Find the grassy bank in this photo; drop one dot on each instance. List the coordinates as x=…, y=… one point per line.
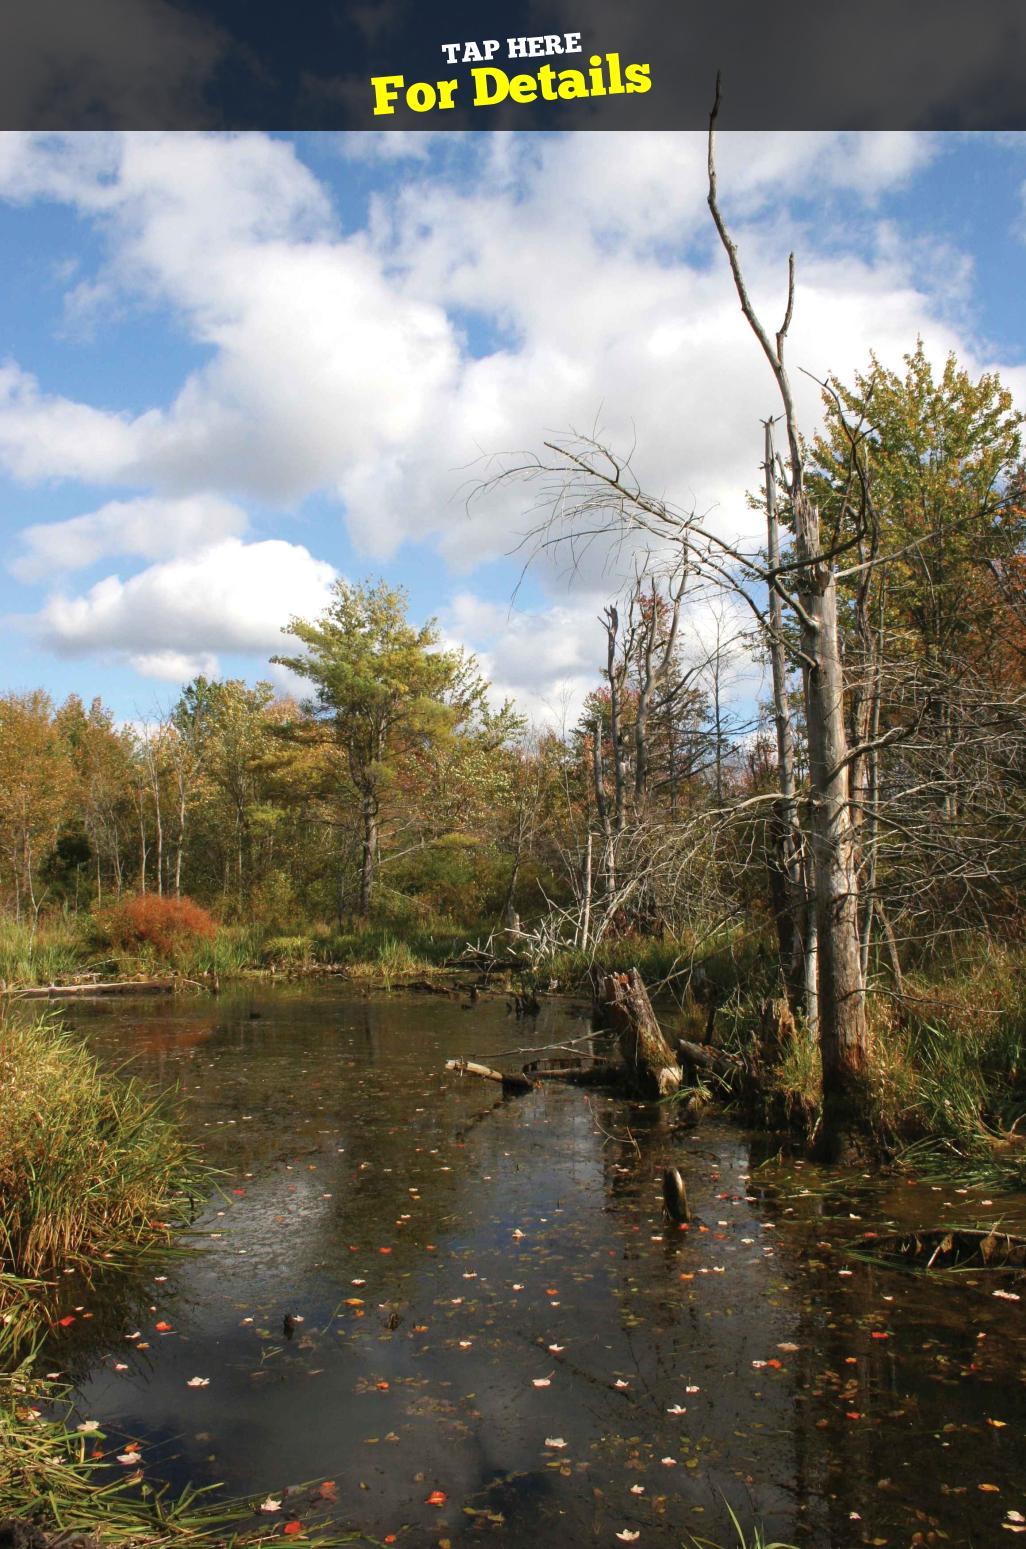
x=93, y=1170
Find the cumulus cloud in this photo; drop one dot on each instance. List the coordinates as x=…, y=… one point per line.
x=501, y=289
x=149, y=527
x=231, y=596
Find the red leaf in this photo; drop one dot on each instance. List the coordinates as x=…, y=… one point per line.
x=68, y=1321
x=162, y=1327
x=437, y=1498
x=292, y=1528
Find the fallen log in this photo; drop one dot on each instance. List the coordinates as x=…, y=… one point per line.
x=581, y=1075
x=700, y=1056
x=88, y=990
x=511, y=1082
x=651, y=1065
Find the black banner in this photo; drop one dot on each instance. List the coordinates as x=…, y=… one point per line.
x=565, y=64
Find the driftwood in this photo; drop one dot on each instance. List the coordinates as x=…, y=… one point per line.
x=514, y=1081
x=651, y=1064
x=84, y=991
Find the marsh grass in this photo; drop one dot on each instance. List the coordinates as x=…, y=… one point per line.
x=93, y=1168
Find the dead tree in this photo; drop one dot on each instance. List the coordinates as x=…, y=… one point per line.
x=651, y=1063
x=844, y=1035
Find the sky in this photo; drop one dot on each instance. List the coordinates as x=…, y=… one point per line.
x=236, y=367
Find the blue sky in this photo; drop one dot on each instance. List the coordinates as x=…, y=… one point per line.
x=234, y=367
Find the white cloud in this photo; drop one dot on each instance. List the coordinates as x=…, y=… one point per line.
x=231, y=596
x=504, y=289
x=150, y=527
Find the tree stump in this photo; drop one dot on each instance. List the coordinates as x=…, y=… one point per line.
x=650, y=1061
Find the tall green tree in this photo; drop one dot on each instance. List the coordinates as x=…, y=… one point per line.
x=390, y=698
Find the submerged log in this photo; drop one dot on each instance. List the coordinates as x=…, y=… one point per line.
x=651, y=1064
x=581, y=1075
x=514, y=1081
x=85, y=991
x=675, y=1196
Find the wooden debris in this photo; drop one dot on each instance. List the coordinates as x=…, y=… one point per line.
x=675, y=1196
x=511, y=1082
x=85, y=991
x=651, y=1064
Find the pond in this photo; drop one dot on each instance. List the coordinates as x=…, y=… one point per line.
x=492, y=1330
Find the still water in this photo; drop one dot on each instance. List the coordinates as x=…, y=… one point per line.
x=494, y=1334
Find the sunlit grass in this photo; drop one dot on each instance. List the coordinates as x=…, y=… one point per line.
x=91, y=1166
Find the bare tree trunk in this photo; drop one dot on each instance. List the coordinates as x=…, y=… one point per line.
x=586, y=896
x=649, y=1059
x=791, y=920
x=369, y=855
x=602, y=807
x=844, y=1037
x=143, y=849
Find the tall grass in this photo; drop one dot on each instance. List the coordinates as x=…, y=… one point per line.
x=55, y=951
x=92, y=1167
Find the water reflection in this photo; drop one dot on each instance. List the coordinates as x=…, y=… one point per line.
x=491, y=1306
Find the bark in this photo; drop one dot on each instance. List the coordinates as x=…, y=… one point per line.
x=515, y=1082
x=843, y=1030
x=586, y=896
x=790, y=904
x=368, y=863
x=700, y=1057
x=650, y=1062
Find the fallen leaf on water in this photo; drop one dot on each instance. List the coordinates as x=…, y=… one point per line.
x=437, y=1498
x=270, y=1504
x=162, y=1327
x=692, y=1387
x=198, y=1382
x=990, y=1489
x=88, y=1425
x=619, y=1383
x=128, y=1458
x=668, y=1462
x=637, y=1489
x=1015, y=1516
x=788, y=1347
x=292, y=1528
x=1008, y=1296
x=677, y=1409
x=554, y=1441
x=998, y=1425
x=541, y=1382
x=66, y=1322
x=628, y=1537
x=557, y=1349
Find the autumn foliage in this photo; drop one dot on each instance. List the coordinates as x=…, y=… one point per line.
x=163, y=924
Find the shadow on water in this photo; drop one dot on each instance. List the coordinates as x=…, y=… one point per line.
x=492, y=1328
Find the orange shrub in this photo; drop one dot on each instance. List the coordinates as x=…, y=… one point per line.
x=165, y=924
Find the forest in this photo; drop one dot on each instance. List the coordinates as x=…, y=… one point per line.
x=860, y=860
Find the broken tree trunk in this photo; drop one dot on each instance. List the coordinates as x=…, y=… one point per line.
x=701, y=1057
x=650, y=1061
x=515, y=1082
